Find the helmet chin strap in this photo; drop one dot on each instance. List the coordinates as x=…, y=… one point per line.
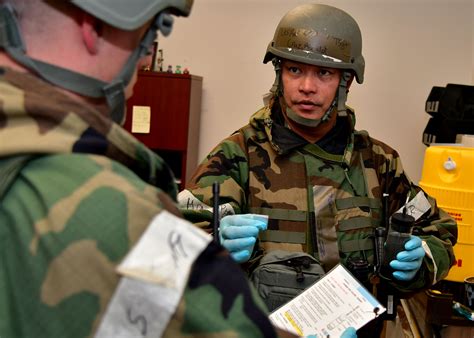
x=276, y=89
x=310, y=122
x=12, y=42
x=342, y=93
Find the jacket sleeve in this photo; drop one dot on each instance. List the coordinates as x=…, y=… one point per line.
x=219, y=300
x=435, y=227
x=226, y=164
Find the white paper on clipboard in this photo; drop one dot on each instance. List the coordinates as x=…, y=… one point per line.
x=335, y=302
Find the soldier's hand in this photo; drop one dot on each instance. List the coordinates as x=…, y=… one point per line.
x=350, y=332
x=408, y=262
x=238, y=234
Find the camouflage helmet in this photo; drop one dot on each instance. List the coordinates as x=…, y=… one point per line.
x=320, y=35
x=129, y=15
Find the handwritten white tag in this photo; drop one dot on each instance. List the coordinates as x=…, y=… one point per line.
x=188, y=201
x=165, y=252
x=138, y=309
x=155, y=274
x=417, y=206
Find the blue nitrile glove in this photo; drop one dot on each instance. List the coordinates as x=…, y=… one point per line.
x=238, y=234
x=408, y=262
x=350, y=332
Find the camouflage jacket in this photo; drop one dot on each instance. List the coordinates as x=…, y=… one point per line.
x=84, y=197
x=323, y=198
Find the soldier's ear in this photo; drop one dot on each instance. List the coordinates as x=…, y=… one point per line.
x=91, y=30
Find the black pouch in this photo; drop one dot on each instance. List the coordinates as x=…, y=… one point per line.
x=282, y=275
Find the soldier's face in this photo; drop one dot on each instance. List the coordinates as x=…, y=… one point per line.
x=309, y=90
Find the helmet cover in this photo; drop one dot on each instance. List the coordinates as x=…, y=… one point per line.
x=320, y=35
x=131, y=14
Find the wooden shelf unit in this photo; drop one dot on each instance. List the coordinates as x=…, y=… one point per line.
x=175, y=105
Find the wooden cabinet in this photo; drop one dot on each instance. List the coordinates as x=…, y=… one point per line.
x=174, y=101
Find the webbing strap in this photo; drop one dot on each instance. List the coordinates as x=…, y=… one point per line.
x=357, y=201
x=357, y=245
x=283, y=236
x=357, y=223
x=284, y=214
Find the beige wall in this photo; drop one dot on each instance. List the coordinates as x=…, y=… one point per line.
x=409, y=46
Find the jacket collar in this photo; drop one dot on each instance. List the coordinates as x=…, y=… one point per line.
x=337, y=145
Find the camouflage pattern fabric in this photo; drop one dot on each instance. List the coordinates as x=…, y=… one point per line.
x=75, y=210
x=323, y=199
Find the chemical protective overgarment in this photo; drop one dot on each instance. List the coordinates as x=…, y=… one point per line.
x=84, y=196
x=324, y=199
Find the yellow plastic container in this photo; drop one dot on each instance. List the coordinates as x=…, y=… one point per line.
x=448, y=175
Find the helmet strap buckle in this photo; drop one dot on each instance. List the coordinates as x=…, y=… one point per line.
x=342, y=93
x=164, y=23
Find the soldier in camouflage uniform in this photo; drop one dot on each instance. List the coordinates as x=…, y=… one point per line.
x=300, y=161
x=77, y=192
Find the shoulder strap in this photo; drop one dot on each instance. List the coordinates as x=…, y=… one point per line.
x=10, y=167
